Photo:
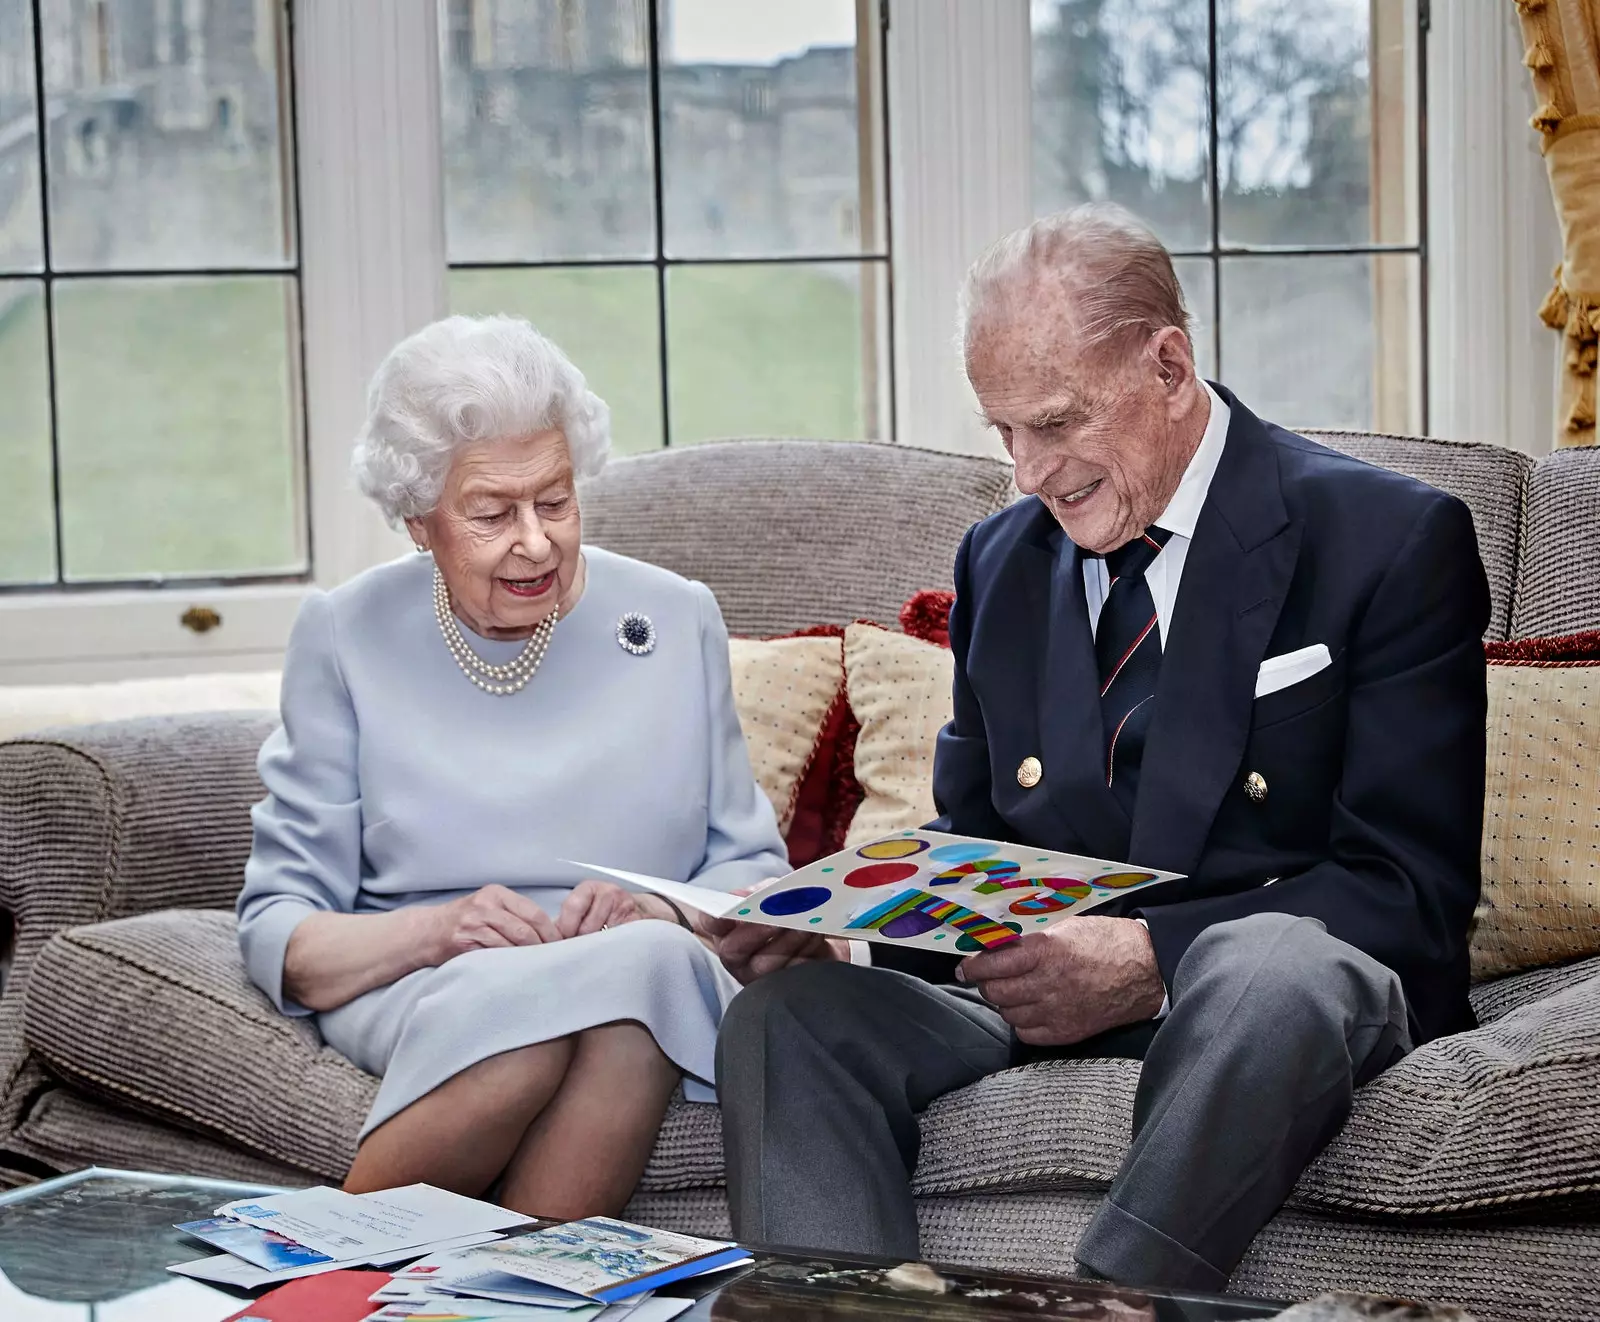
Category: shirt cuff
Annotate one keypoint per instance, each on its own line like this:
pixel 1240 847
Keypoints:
pixel 1166 1000
pixel 861 954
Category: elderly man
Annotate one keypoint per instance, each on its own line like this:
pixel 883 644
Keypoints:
pixel 1206 645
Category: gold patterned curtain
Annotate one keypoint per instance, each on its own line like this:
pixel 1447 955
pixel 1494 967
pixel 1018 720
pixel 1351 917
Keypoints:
pixel 1563 38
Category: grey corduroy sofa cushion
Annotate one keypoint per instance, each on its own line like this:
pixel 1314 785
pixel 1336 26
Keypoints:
pixel 1558 586
pixel 1488 478
pixel 794 533
pixel 156 1012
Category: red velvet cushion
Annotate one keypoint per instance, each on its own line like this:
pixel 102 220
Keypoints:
pixel 927 615
pixel 828 793
pixel 1545 651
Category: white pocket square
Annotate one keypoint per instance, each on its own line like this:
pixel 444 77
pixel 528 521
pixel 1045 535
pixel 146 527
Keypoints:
pixel 1278 672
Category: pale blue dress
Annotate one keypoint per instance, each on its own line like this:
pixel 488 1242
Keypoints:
pixel 394 781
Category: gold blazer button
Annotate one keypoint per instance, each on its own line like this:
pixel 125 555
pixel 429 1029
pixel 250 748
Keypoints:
pixel 1255 785
pixel 1029 772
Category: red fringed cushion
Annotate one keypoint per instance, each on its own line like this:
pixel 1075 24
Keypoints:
pixel 818 826
pixel 927 616
pixel 1546 651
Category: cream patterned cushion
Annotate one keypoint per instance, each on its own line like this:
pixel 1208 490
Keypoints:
pixel 783 689
pixel 1541 821
pixel 899 689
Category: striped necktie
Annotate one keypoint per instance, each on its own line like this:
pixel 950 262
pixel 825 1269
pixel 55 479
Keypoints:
pixel 1127 649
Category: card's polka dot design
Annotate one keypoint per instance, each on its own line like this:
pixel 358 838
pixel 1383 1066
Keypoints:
pixel 1114 881
pixel 957 853
pixel 885 849
pixel 802 899
pixel 880 874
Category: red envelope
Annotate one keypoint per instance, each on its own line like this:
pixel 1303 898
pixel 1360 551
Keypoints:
pixel 339 1296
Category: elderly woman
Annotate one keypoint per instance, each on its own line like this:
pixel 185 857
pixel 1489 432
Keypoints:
pixel 457 726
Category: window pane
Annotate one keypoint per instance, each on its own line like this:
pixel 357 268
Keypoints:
pixel 1324 341
pixel 761 135
pixel 19 146
pixel 776 351
pixel 547 130
pixel 166 142
pixel 1120 108
pixel 604 319
pixel 178 427
pixel 1317 121
pixel 27 530
pixel 1194 274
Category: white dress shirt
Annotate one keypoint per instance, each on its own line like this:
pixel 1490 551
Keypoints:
pixel 1179 518
pixel 1166 570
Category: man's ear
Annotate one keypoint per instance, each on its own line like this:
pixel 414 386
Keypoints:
pixel 1173 358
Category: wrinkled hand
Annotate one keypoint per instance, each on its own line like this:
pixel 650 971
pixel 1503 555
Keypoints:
pixel 591 905
pixel 488 918
pixel 1075 980
pixel 753 950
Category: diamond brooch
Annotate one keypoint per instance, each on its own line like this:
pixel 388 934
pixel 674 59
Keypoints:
pixel 636 634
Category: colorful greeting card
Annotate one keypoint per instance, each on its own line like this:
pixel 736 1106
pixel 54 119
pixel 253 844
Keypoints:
pixel 952 893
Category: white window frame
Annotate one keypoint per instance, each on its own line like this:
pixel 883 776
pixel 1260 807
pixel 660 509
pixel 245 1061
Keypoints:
pixel 373 264
pixel 960 122
pixel 372 267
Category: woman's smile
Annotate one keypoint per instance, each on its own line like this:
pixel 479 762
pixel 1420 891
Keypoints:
pixel 529 588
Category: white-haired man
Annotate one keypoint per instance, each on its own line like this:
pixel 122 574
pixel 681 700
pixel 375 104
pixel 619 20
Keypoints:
pixel 1208 646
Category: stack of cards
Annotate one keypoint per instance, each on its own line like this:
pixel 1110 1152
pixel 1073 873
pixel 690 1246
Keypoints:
pixel 288 1236
pixel 568 1273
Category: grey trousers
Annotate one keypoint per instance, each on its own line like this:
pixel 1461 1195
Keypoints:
pixel 823 1068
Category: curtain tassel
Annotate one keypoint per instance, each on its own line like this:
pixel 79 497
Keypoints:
pixel 1581 359
pixel 1539 58
pixel 1547 119
pixel 1529 6
pixel 1582 416
pixel 1556 307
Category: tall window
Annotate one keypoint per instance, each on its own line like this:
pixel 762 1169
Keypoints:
pixel 687 196
pixel 149 348
pixel 1275 147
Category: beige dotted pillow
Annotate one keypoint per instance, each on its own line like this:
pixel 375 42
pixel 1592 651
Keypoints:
pixel 900 693
pixel 783 689
pixel 1541 821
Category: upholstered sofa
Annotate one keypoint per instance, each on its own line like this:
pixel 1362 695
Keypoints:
pixel 129 1035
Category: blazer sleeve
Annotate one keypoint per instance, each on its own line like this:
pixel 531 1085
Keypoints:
pixel 305 856
pixel 743 844
pixel 1401 878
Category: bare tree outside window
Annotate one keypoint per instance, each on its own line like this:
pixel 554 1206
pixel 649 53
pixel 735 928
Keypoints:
pixel 1275 148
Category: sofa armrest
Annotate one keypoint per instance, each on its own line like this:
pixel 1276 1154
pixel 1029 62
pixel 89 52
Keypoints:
pixel 106 821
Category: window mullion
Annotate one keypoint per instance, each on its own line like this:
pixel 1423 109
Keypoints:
pixel 373 245
pixel 961 175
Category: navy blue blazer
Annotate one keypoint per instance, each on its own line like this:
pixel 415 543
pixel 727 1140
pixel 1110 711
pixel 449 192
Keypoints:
pixel 1374 766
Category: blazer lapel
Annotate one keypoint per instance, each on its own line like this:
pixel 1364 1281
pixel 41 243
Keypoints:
pixel 1068 704
pixel 1235 579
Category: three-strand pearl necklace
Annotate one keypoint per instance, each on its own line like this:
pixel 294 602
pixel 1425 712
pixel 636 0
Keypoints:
pixel 502 681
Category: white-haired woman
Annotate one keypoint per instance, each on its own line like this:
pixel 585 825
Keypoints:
pixel 457 727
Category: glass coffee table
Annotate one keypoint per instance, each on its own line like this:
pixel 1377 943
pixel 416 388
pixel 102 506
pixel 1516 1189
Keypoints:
pixel 94 1247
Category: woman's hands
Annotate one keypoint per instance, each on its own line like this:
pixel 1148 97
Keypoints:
pixel 596 904
pixel 332 958
pixel 488 918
